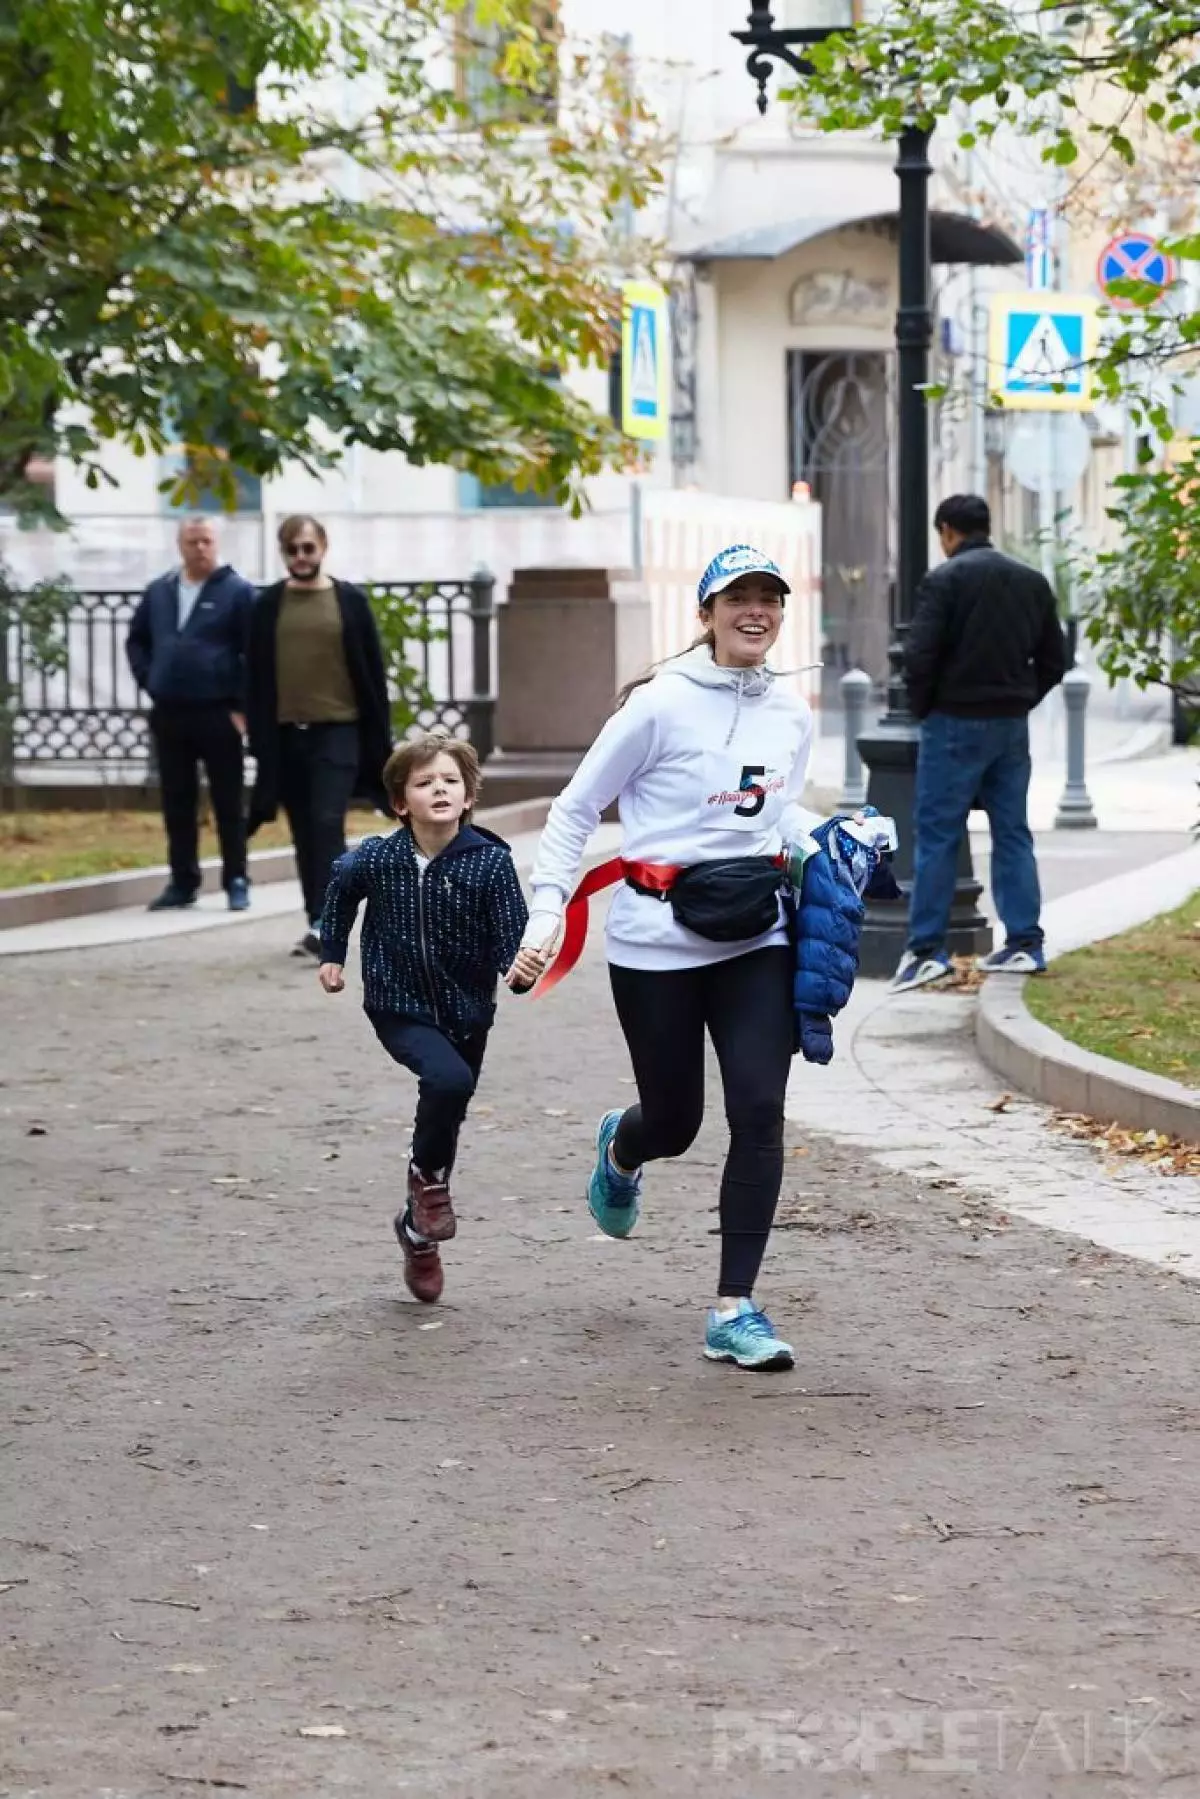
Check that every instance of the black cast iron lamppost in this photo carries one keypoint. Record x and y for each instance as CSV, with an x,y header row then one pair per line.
x,y
890,748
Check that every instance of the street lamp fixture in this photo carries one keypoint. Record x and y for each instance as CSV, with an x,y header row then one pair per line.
x,y
889,750
767,41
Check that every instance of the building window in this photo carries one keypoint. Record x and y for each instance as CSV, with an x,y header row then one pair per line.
x,y
475,496
498,77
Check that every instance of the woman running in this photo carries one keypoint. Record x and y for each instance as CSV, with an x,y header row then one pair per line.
x,y
708,758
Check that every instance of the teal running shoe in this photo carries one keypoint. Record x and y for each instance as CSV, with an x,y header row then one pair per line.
x,y
612,1198
748,1338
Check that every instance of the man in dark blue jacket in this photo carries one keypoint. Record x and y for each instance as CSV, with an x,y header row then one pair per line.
x,y
984,648
187,649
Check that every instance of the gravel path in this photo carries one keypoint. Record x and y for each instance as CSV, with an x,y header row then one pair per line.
x,y
270,1527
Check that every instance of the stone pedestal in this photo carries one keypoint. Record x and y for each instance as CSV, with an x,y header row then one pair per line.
x,y
567,641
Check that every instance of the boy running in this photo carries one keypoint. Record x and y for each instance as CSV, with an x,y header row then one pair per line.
x,y
445,915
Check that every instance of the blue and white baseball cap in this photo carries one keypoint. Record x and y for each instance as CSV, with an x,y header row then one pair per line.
x,y
729,565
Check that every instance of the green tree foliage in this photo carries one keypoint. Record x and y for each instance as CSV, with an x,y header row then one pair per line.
x,y
1144,610
269,229
1092,81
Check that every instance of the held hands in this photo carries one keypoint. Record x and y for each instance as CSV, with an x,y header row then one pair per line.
x,y
529,965
537,948
332,977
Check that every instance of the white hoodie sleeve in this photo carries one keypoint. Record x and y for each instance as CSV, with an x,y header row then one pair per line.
x,y
625,746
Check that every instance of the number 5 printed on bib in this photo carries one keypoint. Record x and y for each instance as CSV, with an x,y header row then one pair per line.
x,y
751,783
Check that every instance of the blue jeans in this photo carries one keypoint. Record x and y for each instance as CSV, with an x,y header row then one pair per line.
x,y
964,762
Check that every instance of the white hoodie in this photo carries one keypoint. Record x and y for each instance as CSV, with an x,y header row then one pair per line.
x,y
706,763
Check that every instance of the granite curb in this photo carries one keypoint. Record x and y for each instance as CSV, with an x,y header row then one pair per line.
x,y
54,900
1040,1062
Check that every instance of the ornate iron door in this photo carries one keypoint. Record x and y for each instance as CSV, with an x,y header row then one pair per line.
x,y
839,410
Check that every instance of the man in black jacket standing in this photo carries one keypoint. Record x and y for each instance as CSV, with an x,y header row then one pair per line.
x,y
187,648
984,648
320,719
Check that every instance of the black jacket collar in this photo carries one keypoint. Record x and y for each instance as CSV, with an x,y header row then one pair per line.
x,y
979,540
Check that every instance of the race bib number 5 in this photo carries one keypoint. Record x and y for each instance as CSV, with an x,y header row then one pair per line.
x,y
734,805
753,785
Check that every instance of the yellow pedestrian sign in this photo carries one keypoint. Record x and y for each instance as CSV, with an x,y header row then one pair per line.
x,y
645,360
1042,348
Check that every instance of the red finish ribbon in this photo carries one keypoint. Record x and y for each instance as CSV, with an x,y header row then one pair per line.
x,y
658,877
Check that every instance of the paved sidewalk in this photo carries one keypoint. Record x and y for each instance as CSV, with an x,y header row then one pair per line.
x,y
270,1528
908,1088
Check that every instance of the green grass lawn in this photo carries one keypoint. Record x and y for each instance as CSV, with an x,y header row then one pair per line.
x,y
1136,997
65,846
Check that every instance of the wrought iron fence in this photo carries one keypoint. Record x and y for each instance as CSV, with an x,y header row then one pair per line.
x,y
91,714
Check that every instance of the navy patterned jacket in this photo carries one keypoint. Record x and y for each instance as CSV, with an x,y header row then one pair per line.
x,y
433,943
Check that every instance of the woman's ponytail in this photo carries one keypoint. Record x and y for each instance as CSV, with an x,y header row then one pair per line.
x,y
708,638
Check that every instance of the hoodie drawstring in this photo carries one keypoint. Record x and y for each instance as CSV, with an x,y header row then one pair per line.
x,y
753,683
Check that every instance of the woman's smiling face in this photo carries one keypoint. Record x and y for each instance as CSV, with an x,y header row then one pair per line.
x,y
745,620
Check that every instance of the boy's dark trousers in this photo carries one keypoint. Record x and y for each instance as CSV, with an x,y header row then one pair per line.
x,y
448,1073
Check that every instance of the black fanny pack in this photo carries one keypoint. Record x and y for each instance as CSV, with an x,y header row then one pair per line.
x,y
727,902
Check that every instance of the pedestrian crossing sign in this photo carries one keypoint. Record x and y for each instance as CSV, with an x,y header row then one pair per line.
x,y
1042,347
645,391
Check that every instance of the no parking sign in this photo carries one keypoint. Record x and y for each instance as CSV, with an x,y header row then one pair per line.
x,y
1134,256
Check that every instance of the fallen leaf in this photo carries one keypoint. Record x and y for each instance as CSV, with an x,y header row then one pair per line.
x,y
999,1105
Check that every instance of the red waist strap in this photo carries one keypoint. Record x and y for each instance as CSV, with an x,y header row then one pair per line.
x,y
657,877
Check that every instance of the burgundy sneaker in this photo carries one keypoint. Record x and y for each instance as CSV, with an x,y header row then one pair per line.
x,y
430,1206
423,1274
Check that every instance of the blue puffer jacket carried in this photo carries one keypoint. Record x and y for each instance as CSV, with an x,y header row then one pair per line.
x,y
205,663
434,942
828,923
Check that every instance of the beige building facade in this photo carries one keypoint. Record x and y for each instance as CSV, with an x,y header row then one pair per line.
x,y
780,255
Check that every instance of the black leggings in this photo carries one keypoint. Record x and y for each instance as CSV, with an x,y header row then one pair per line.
x,y
746,1005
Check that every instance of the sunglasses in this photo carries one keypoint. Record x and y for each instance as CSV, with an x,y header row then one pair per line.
x,y
301,549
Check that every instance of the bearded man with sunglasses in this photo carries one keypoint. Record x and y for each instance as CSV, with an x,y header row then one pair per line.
x,y
319,717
